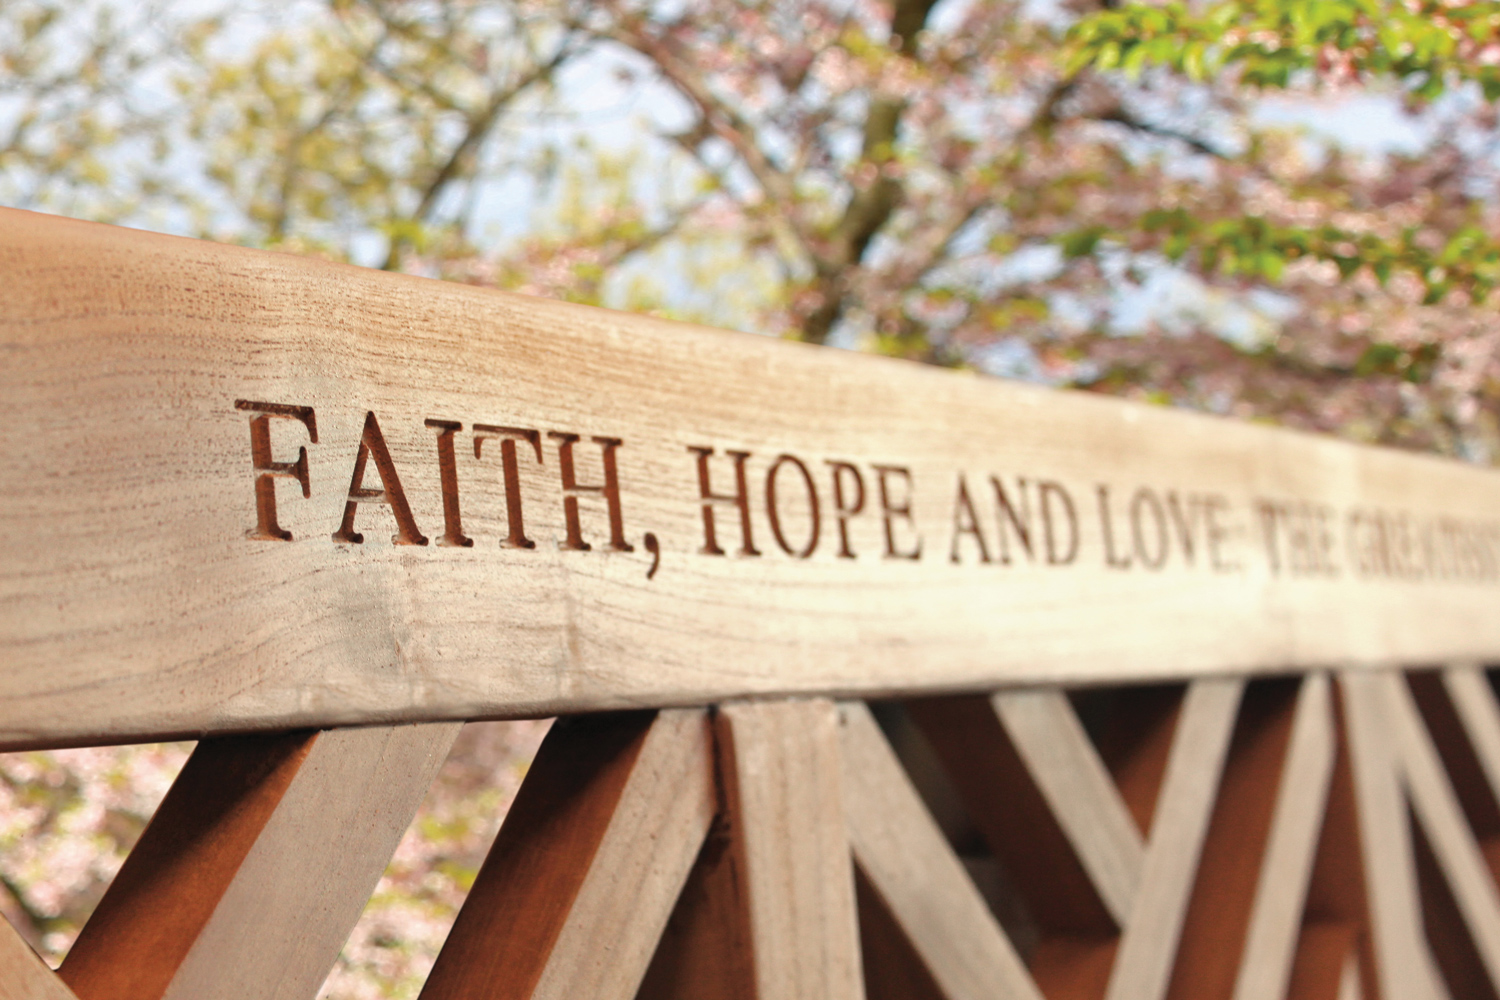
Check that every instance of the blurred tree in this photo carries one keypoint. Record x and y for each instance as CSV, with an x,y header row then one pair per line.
x,y
367,117
1000,183
312,126
70,99
1074,192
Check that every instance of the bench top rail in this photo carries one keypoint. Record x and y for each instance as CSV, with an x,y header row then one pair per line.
x,y
251,491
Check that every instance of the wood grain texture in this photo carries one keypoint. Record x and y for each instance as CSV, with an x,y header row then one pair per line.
x,y
920,881
1282,885
23,974
585,870
893,969
1336,929
281,923
157,391
640,867
705,951
1460,755
257,865
783,777
1143,964
187,857
1454,946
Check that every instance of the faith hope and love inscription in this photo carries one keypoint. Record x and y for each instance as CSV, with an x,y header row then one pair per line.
x,y
253,491
795,506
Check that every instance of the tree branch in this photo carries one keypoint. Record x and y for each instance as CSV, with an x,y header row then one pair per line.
x,y
479,127
725,123
1119,115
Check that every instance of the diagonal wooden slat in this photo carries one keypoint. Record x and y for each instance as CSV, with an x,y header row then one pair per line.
x,y
1351,986
1453,944
1078,935
166,892
1282,887
1143,963
1405,966
1335,946
583,875
782,774
704,952
1079,791
893,969
917,876
280,925
1211,946
257,865
1445,927
1460,754
1012,813
1474,701
23,974
657,830
1442,819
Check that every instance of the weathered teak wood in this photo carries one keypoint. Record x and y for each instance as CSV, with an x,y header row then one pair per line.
x,y
1404,961
1335,942
23,975
920,882
255,868
1474,702
705,950
1042,847
1143,963
1291,848
1011,811
1078,936
1078,790
783,778
256,494
1457,855
586,868
892,968
263,492
1220,909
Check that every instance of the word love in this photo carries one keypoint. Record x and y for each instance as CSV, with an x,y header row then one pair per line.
x,y
847,510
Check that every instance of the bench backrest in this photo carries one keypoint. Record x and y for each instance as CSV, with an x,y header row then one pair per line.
x,y
250,496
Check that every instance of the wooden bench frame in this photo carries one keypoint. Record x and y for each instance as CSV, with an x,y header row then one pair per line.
x,y
316,517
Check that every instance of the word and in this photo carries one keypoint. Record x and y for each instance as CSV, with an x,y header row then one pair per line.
x,y
1040,521
810,506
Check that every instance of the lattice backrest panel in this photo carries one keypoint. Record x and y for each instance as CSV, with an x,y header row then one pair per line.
x,y
1291,837
880,681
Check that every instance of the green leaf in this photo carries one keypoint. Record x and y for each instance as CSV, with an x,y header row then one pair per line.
x,y
1082,242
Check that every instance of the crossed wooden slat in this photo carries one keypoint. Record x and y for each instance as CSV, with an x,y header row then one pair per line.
x,y
1294,837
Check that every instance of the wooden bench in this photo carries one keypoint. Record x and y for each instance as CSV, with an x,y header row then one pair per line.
x,y
1208,694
